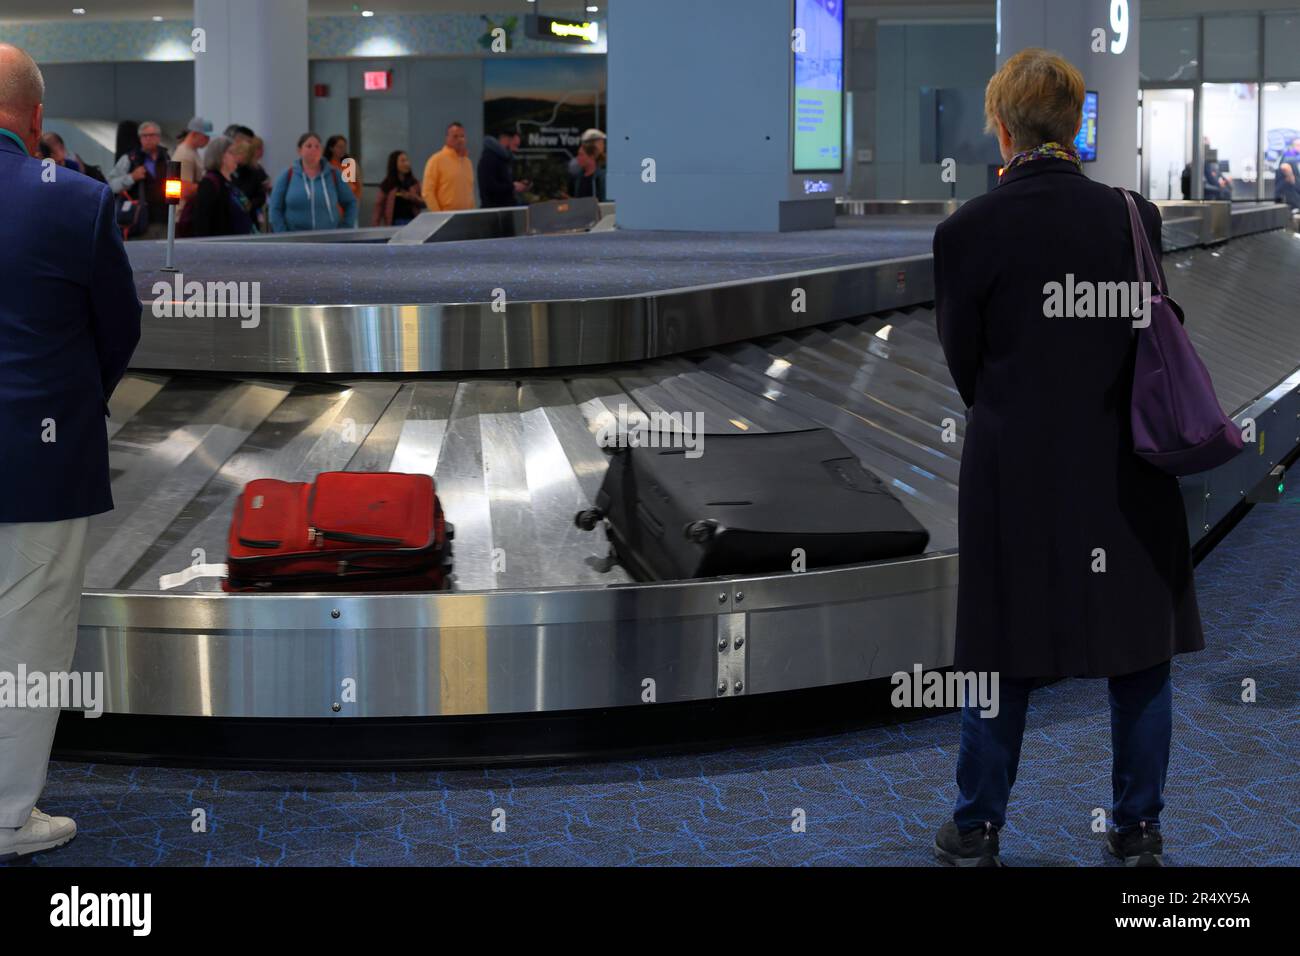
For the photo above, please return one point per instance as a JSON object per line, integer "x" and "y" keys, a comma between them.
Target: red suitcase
{"x": 347, "y": 531}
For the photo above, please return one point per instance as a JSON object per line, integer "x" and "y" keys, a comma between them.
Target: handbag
{"x": 1177, "y": 423}
{"x": 132, "y": 215}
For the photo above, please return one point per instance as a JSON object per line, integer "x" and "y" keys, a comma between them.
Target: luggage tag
{"x": 168, "y": 582}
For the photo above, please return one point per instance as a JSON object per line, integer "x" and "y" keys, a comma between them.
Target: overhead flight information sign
{"x": 818, "y": 86}
{"x": 538, "y": 27}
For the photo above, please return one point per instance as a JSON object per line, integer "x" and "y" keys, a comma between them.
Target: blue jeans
{"x": 1141, "y": 725}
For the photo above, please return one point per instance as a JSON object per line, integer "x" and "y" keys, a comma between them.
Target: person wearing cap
{"x": 198, "y": 132}
{"x": 588, "y": 136}
{"x": 595, "y": 136}
{"x": 141, "y": 173}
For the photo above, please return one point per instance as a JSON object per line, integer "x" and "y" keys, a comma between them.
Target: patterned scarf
{"x": 1045, "y": 151}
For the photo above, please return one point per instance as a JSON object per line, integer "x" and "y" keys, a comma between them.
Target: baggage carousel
{"x": 367, "y": 357}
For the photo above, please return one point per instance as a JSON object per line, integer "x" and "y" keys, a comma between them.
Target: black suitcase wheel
{"x": 587, "y": 520}
{"x": 701, "y": 531}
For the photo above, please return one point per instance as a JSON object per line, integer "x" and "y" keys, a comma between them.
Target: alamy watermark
{"x": 133, "y": 911}
{"x": 636, "y": 429}
{"x": 977, "y": 689}
{"x": 1098, "y": 300}
{"x": 61, "y": 690}
{"x": 179, "y": 299}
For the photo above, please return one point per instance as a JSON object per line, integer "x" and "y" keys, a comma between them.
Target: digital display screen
{"x": 538, "y": 27}
{"x": 1086, "y": 141}
{"x": 818, "y": 86}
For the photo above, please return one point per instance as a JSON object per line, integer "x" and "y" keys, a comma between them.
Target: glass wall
{"x": 1244, "y": 116}
{"x": 1169, "y": 50}
{"x": 1282, "y": 46}
{"x": 1231, "y": 48}
{"x": 1230, "y": 135}
{"x": 1281, "y": 141}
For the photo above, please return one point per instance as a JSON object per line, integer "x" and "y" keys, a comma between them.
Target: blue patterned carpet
{"x": 870, "y": 797}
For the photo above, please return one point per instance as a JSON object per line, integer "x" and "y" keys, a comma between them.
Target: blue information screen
{"x": 1086, "y": 141}
{"x": 819, "y": 86}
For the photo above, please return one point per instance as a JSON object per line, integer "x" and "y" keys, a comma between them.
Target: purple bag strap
{"x": 1146, "y": 260}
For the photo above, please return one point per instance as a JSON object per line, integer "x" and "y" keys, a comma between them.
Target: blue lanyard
{"x": 14, "y": 136}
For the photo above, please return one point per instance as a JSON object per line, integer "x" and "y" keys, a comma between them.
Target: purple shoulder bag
{"x": 1178, "y": 425}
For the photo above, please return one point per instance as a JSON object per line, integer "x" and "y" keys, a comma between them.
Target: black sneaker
{"x": 1143, "y": 846}
{"x": 977, "y": 847}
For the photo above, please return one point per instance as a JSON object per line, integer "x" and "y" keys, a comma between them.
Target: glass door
{"x": 1167, "y": 143}
{"x": 1281, "y": 146}
{"x": 1230, "y": 134}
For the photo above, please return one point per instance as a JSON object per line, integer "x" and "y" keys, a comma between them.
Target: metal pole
{"x": 171, "y": 237}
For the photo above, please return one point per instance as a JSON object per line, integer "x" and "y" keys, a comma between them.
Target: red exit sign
{"x": 379, "y": 79}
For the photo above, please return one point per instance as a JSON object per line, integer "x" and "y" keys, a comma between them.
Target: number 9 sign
{"x": 1119, "y": 23}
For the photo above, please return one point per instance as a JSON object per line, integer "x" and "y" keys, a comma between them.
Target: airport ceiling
{"x": 30, "y": 10}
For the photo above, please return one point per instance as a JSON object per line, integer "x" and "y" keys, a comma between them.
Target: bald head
{"x": 22, "y": 90}
{"x": 22, "y": 87}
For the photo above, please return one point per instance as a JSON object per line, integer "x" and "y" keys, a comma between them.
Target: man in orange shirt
{"x": 449, "y": 175}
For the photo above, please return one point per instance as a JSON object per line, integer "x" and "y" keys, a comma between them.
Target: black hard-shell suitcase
{"x": 749, "y": 504}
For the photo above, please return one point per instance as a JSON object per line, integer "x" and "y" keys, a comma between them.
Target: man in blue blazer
{"x": 69, "y": 321}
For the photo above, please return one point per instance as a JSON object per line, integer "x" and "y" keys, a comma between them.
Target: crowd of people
{"x": 226, "y": 191}
{"x": 223, "y": 185}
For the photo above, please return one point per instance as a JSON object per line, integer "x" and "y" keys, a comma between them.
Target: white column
{"x": 254, "y": 71}
{"x": 1068, "y": 27}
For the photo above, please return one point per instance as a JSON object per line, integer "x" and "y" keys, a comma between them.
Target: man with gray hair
{"x": 69, "y": 321}
{"x": 142, "y": 175}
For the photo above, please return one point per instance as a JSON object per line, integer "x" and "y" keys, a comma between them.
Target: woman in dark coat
{"x": 1074, "y": 557}
{"x": 220, "y": 209}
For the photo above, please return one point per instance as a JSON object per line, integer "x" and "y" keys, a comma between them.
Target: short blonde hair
{"x": 1038, "y": 94}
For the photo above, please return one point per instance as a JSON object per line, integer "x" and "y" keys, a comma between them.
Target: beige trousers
{"x": 41, "y": 570}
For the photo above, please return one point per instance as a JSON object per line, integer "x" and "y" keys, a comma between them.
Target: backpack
{"x": 132, "y": 216}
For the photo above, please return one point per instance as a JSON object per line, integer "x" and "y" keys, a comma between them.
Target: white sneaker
{"x": 41, "y": 832}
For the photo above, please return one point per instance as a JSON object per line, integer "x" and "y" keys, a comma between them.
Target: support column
{"x": 254, "y": 71}
{"x": 700, "y": 93}
{"x": 1068, "y": 27}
